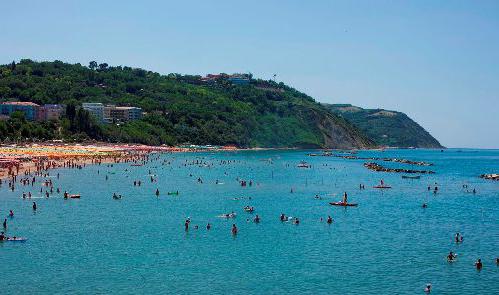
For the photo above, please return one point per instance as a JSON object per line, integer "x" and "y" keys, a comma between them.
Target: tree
{"x": 103, "y": 66}
{"x": 92, "y": 65}
{"x": 70, "y": 111}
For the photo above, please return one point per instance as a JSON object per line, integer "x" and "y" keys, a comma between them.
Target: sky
{"x": 437, "y": 61}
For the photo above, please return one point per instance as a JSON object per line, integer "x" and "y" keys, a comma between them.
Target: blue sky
{"x": 437, "y": 61}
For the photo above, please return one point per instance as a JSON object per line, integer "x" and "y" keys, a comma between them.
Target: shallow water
{"x": 388, "y": 244}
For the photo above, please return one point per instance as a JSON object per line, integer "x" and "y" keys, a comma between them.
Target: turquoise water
{"x": 386, "y": 245}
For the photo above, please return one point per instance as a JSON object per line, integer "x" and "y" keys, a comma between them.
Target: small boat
{"x": 303, "y": 164}
{"x": 344, "y": 204}
{"x": 74, "y": 196}
{"x": 16, "y": 239}
{"x": 411, "y": 177}
{"x": 382, "y": 186}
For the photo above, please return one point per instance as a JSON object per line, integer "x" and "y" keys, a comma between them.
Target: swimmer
{"x": 425, "y": 205}
{"x": 34, "y": 206}
{"x": 458, "y": 238}
{"x": 451, "y": 257}
{"x": 257, "y": 219}
{"x": 208, "y": 226}
{"x": 11, "y": 213}
{"x": 428, "y": 288}
{"x": 157, "y": 192}
{"x": 234, "y": 229}
{"x": 329, "y": 220}
{"x": 478, "y": 264}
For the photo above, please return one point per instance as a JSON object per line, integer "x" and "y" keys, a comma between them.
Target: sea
{"x": 388, "y": 244}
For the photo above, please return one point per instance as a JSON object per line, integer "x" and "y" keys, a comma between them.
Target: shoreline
{"x": 19, "y": 159}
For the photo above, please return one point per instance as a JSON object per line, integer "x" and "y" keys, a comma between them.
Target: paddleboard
{"x": 344, "y": 204}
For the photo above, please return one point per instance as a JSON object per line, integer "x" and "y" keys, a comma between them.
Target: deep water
{"x": 388, "y": 244}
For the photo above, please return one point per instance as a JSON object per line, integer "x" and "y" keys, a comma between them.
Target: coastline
{"x": 18, "y": 159}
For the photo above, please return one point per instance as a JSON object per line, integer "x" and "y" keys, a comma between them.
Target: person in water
{"x": 478, "y": 264}
{"x": 257, "y": 219}
{"x": 208, "y": 226}
{"x": 451, "y": 256}
{"x": 5, "y": 223}
{"x": 329, "y": 220}
{"x": 428, "y": 288}
{"x": 157, "y": 192}
{"x": 34, "y": 206}
{"x": 234, "y": 229}
{"x": 345, "y": 198}
{"x": 297, "y": 221}
{"x": 425, "y": 205}
{"x": 2, "y": 236}
{"x": 11, "y": 213}
{"x": 283, "y": 217}
{"x": 458, "y": 238}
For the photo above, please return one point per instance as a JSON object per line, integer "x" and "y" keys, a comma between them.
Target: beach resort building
{"x": 32, "y": 111}
{"x": 29, "y": 109}
{"x": 96, "y": 109}
{"x": 53, "y": 112}
{"x": 113, "y": 113}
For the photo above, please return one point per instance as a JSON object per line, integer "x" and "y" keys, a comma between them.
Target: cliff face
{"x": 386, "y": 128}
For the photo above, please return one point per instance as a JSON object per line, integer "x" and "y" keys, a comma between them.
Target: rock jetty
{"x": 490, "y": 176}
{"x": 379, "y": 168}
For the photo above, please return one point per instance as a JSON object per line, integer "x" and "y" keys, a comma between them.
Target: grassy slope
{"x": 387, "y": 128}
{"x": 182, "y": 109}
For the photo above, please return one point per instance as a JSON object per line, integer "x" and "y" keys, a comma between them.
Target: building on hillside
{"x": 235, "y": 79}
{"x": 113, "y": 113}
{"x": 96, "y": 109}
{"x": 29, "y": 109}
{"x": 239, "y": 79}
{"x": 41, "y": 114}
{"x": 50, "y": 112}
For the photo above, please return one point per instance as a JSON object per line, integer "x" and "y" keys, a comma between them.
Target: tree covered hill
{"x": 180, "y": 108}
{"x": 386, "y": 128}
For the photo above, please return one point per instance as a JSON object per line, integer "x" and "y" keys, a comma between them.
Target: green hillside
{"x": 180, "y": 108}
{"x": 386, "y": 128}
